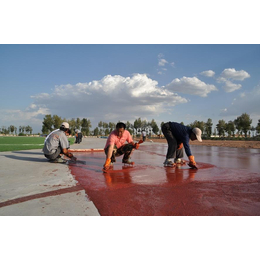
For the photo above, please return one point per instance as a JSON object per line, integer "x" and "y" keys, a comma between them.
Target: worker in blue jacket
{"x": 178, "y": 137}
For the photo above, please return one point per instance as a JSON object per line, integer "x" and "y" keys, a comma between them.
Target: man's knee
{"x": 51, "y": 157}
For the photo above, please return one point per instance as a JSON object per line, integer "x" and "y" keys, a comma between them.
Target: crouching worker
{"x": 56, "y": 144}
{"x": 116, "y": 146}
{"x": 178, "y": 137}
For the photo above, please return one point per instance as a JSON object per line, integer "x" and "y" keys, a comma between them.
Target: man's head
{"x": 120, "y": 128}
{"x": 196, "y": 134}
{"x": 65, "y": 127}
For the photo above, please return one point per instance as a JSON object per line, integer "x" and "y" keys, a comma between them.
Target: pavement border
{"x": 86, "y": 150}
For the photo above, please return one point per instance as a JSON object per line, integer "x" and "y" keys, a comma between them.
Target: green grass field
{"x": 16, "y": 143}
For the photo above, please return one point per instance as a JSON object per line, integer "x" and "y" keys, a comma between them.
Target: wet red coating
{"x": 149, "y": 189}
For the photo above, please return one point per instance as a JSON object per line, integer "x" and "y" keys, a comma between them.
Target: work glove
{"x": 180, "y": 146}
{"x": 70, "y": 155}
{"x": 107, "y": 163}
{"x": 136, "y": 145}
{"x": 192, "y": 162}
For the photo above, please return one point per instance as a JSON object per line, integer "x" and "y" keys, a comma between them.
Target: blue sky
{"x": 111, "y": 82}
{"x": 110, "y": 61}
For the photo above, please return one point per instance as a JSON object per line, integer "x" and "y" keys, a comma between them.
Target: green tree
{"x": 129, "y": 127}
{"x": 144, "y": 124}
{"x": 154, "y": 126}
{"x": 208, "y": 127}
{"x": 100, "y": 125}
{"x": 105, "y": 128}
{"x": 111, "y": 126}
{"x": 72, "y": 124}
{"x": 138, "y": 123}
{"x": 258, "y": 127}
{"x": 201, "y": 126}
{"x": 198, "y": 124}
{"x": 230, "y": 128}
{"x": 12, "y": 128}
{"x": 107, "y": 132}
{"x": 95, "y": 132}
{"x": 4, "y": 130}
{"x": 28, "y": 129}
{"x": 78, "y": 123}
{"x": 221, "y": 127}
{"x": 46, "y": 124}
{"x": 243, "y": 123}
{"x": 57, "y": 121}
{"x": 85, "y": 126}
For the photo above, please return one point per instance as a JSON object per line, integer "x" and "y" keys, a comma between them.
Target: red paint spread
{"x": 150, "y": 189}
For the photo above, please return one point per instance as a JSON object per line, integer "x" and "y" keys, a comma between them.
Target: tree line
{"x": 13, "y": 130}
{"x": 104, "y": 128}
{"x": 242, "y": 125}
{"x": 84, "y": 125}
{"x": 238, "y": 127}
{"x": 51, "y": 123}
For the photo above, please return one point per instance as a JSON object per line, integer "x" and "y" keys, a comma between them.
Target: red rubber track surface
{"x": 227, "y": 183}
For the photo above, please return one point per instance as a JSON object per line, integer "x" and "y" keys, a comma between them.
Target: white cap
{"x": 197, "y": 132}
{"x": 65, "y": 125}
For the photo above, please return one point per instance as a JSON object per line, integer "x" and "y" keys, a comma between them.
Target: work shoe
{"x": 128, "y": 161}
{"x": 168, "y": 162}
{"x": 59, "y": 160}
{"x": 179, "y": 161}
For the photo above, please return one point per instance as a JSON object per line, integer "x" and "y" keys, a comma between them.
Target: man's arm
{"x": 110, "y": 151}
{"x": 70, "y": 155}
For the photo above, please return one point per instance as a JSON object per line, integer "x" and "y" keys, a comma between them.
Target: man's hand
{"x": 107, "y": 164}
{"x": 70, "y": 155}
{"x": 192, "y": 162}
{"x": 136, "y": 145}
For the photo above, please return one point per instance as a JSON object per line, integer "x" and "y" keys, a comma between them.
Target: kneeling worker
{"x": 56, "y": 144}
{"x": 178, "y": 136}
{"x": 115, "y": 146}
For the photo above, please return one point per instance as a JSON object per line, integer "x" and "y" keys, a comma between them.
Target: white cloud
{"x": 232, "y": 74}
{"x": 192, "y": 86}
{"x": 230, "y": 86}
{"x": 162, "y": 62}
{"x": 224, "y": 110}
{"x": 31, "y": 116}
{"x": 110, "y": 99}
{"x": 208, "y": 73}
{"x": 229, "y": 75}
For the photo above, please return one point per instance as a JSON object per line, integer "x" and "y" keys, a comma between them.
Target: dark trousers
{"x": 172, "y": 151}
{"x": 54, "y": 155}
{"x": 125, "y": 150}
{"x": 78, "y": 138}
